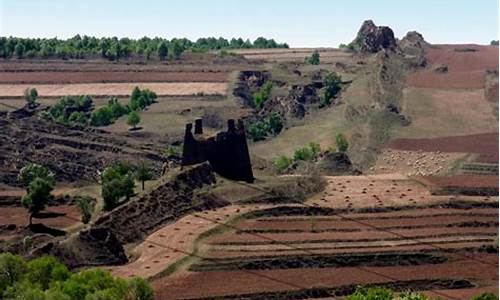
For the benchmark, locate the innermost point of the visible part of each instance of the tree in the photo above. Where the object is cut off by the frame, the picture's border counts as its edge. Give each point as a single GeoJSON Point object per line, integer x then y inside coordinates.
{"type": "Point", "coordinates": [32, 171]}
{"type": "Point", "coordinates": [162, 50]}
{"type": "Point", "coordinates": [133, 119]}
{"type": "Point", "coordinates": [313, 59]}
{"type": "Point", "coordinates": [177, 48]}
{"type": "Point", "coordinates": [341, 141]}
{"type": "Point", "coordinates": [143, 173]}
{"type": "Point", "coordinates": [38, 194]}
{"type": "Point", "coordinates": [30, 95]}
{"type": "Point", "coordinates": [116, 184]}
{"type": "Point", "coordinates": [12, 268]}
{"type": "Point", "coordinates": [261, 96]}
{"type": "Point", "coordinates": [141, 289]}
{"type": "Point", "coordinates": [494, 43]}
{"type": "Point", "coordinates": [86, 206]}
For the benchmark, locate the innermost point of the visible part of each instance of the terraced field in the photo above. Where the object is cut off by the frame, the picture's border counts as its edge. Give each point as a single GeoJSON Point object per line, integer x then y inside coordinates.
{"type": "Point", "coordinates": [372, 230]}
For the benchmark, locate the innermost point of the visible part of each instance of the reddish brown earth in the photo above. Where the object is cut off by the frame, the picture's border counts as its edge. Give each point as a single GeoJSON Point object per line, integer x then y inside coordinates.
{"type": "Point", "coordinates": [106, 77]}
{"type": "Point", "coordinates": [19, 216]}
{"type": "Point", "coordinates": [491, 93]}
{"type": "Point", "coordinates": [485, 144]}
{"type": "Point", "coordinates": [220, 283]}
{"type": "Point", "coordinates": [467, 181]}
{"type": "Point", "coordinates": [467, 66]}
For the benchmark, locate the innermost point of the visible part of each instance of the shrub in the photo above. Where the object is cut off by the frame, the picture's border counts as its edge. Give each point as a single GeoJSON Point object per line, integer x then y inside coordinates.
{"type": "Point", "coordinates": [341, 142]}
{"type": "Point", "coordinates": [371, 294]}
{"type": "Point", "coordinates": [486, 296]}
{"type": "Point", "coordinates": [261, 96]}
{"type": "Point", "coordinates": [313, 59]}
{"type": "Point", "coordinates": [12, 268]}
{"type": "Point", "coordinates": [283, 163]}
{"type": "Point", "coordinates": [260, 130]}
{"type": "Point", "coordinates": [304, 154]}
{"type": "Point", "coordinates": [333, 85]}
{"type": "Point", "coordinates": [32, 171]}
{"type": "Point", "coordinates": [30, 95]}
{"type": "Point", "coordinates": [71, 109]}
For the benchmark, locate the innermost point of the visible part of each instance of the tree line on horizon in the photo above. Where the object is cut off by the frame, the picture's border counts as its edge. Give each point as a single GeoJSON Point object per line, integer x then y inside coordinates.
{"type": "Point", "coordinates": [114, 48]}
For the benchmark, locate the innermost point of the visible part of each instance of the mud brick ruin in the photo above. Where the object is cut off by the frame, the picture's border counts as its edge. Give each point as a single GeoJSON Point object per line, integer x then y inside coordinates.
{"type": "Point", "coordinates": [227, 152]}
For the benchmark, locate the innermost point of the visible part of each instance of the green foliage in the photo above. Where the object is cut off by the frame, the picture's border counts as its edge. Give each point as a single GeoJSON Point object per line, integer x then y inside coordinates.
{"type": "Point", "coordinates": [38, 194]}
{"type": "Point", "coordinates": [304, 154]}
{"type": "Point", "coordinates": [12, 268]}
{"type": "Point", "coordinates": [45, 278]}
{"type": "Point", "coordinates": [30, 95]}
{"type": "Point", "coordinates": [143, 173]}
{"type": "Point", "coordinates": [71, 109]}
{"type": "Point", "coordinates": [174, 150]}
{"type": "Point", "coordinates": [494, 43]}
{"type": "Point", "coordinates": [117, 183]}
{"type": "Point", "coordinates": [341, 142]}
{"type": "Point", "coordinates": [283, 163]}
{"type": "Point", "coordinates": [314, 59]}
{"type": "Point", "coordinates": [85, 205]}
{"type": "Point", "coordinates": [260, 130]}
{"type": "Point", "coordinates": [140, 99]}
{"type": "Point", "coordinates": [162, 50]}
{"type": "Point", "coordinates": [261, 96]}
{"type": "Point", "coordinates": [133, 119]}
{"type": "Point", "coordinates": [333, 85]}
{"type": "Point", "coordinates": [176, 48]}
{"type": "Point", "coordinates": [371, 294]}
{"type": "Point", "coordinates": [315, 149]}
{"type": "Point", "coordinates": [486, 296]}
{"type": "Point", "coordinates": [103, 116]}
{"type": "Point", "coordinates": [32, 171]}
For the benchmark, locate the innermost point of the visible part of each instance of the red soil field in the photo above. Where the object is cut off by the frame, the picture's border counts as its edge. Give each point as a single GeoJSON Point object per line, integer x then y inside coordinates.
{"type": "Point", "coordinates": [457, 58]}
{"type": "Point", "coordinates": [220, 283]}
{"type": "Point", "coordinates": [349, 236]}
{"type": "Point", "coordinates": [452, 80]}
{"type": "Point", "coordinates": [106, 77]}
{"type": "Point", "coordinates": [467, 181]}
{"type": "Point", "coordinates": [467, 66]}
{"type": "Point", "coordinates": [305, 225]}
{"type": "Point", "coordinates": [19, 216]}
{"type": "Point", "coordinates": [485, 144]}
{"type": "Point", "coordinates": [220, 253]}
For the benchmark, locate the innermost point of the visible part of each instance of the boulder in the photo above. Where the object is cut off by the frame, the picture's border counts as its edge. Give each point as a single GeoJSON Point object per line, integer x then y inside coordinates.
{"type": "Point", "coordinates": [372, 38]}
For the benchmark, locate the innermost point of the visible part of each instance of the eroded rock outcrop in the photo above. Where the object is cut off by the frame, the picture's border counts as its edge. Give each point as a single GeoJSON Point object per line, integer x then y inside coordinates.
{"type": "Point", "coordinates": [372, 38]}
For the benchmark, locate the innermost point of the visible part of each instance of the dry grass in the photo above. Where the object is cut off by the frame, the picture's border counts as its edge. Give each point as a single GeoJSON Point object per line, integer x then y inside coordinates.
{"type": "Point", "coordinates": [115, 89]}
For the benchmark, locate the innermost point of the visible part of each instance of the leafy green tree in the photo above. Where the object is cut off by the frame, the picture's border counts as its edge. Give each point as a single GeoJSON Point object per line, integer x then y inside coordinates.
{"type": "Point", "coordinates": [162, 50]}
{"type": "Point", "coordinates": [117, 183]}
{"type": "Point", "coordinates": [78, 117]}
{"type": "Point", "coordinates": [46, 269]}
{"type": "Point", "coordinates": [102, 116]}
{"type": "Point", "coordinates": [143, 173]}
{"type": "Point", "coordinates": [141, 289]}
{"type": "Point", "coordinates": [38, 195]}
{"type": "Point", "coordinates": [32, 171]}
{"type": "Point", "coordinates": [86, 206]}
{"type": "Point", "coordinates": [341, 142]}
{"type": "Point", "coordinates": [283, 163]}
{"type": "Point", "coordinates": [494, 43]}
{"type": "Point", "coordinates": [19, 50]}
{"type": "Point", "coordinates": [30, 95]}
{"type": "Point", "coordinates": [12, 268]}
{"type": "Point", "coordinates": [133, 119]}
{"type": "Point", "coordinates": [313, 59]}
{"type": "Point", "coordinates": [176, 48]}
{"type": "Point", "coordinates": [333, 85]}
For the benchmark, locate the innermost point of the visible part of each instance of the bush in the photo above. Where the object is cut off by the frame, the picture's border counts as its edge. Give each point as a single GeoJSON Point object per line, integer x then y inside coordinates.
{"type": "Point", "coordinates": [486, 296]}
{"type": "Point", "coordinates": [260, 130]}
{"type": "Point", "coordinates": [313, 59]}
{"type": "Point", "coordinates": [260, 97]}
{"type": "Point", "coordinates": [283, 163]}
{"type": "Point", "coordinates": [333, 85]}
{"type": "Point", "coordinates": [304, 154]}
{"type": "Point", "coordinates": [371, 294]}
{"type": "Point", "coordinates": [30, 95]}
{"type": "Point", "coordinates": [133, 119]}
{"type": "Point", "coordinates": [341, 142]}
{"type": "Point", "coordinates": [12, 268]}
{"type": "Point", "coordinates": [71, 109]}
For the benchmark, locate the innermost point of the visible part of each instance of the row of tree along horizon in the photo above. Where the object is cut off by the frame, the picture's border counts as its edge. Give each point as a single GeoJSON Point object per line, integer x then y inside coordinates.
{"type": "Point", "coordinates": [115, 48]}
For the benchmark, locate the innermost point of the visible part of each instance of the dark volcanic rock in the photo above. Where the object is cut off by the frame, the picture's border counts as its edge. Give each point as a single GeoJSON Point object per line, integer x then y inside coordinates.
{"type": "Point", "coordinates": [336, 163]}
{"type": "Point", "coordinates": [372, 38]}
